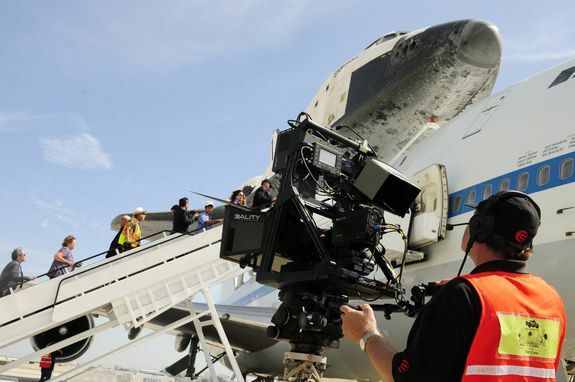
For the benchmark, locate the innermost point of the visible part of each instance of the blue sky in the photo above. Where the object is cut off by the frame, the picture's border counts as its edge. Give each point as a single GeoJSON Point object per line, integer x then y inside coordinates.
{"type": "Point", "coordinates": [107, 105]}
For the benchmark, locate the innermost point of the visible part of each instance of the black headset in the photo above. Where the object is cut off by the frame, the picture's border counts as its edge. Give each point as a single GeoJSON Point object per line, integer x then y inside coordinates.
{"type": "Point", "coordinates": [482, 224]}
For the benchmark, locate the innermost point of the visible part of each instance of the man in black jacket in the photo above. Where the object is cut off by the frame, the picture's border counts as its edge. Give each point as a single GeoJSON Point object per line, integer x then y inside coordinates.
{"type": "Point", "coordinates": [12, 274]}
{"type": "Point", "coordinates": [262, 197]}
{"type": "Point", "coordinates": [182, 218]}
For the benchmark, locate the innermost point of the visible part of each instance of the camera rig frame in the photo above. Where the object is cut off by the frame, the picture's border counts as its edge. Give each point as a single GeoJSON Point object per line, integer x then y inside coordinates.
{"type": "Point", "coordinates": [316, 268]}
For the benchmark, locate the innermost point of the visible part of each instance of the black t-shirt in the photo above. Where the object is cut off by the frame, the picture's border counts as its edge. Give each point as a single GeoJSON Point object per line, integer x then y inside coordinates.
{"type": "Point", "coordinates": [442, 334]}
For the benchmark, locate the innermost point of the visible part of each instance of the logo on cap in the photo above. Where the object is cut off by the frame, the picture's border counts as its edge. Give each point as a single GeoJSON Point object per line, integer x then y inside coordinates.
{"type": "Point", "coordinates": [403, 367]}
{"type": "Point", "coordinates": [521, 236]}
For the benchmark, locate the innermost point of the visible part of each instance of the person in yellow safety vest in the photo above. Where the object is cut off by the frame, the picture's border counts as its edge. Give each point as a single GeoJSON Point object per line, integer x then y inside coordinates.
{"type": "Point", "coordinates": [132, 232]}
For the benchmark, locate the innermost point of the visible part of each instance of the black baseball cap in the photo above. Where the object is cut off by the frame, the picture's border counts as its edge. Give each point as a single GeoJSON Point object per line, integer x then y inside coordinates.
{"type": "Point", "coordinates": [182, 202]}
{"type": "Point", "coordinates": [517, 218]}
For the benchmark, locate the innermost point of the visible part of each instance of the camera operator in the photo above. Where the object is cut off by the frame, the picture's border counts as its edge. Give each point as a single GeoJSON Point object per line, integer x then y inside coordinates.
{"type": "Point", "coordinates": [497, 323]}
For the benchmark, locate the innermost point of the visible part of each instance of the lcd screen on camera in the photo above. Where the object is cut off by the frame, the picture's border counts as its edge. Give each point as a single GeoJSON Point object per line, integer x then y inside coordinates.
{"type": "Point", "coordinates": [327, 158]}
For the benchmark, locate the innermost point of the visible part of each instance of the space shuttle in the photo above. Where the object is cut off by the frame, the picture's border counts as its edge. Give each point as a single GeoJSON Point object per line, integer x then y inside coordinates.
{"type": "Point", "coordinates": [390, 91]}
{"type": "Point", "coordinates": [422, 102]}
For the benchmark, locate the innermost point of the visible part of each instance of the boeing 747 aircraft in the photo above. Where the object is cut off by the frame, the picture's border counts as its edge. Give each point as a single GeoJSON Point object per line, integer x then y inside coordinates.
{"type": "Point", "coordinates": [517, 139]}
{"type": "Point", "coordinates": [419, 99]}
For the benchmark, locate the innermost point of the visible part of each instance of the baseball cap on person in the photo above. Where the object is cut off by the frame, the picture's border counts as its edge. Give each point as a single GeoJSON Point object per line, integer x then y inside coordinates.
{"type": "Point", "coordinates": [516, 219]}
{"type": "Point", "coordinates": [182, 202]}
{"type": "Point", "coordinates": [209, 203]}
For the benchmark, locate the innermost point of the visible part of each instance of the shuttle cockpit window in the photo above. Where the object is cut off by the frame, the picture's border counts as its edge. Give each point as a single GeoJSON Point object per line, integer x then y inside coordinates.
{"type": "Point", "coordinates": [386, 37]}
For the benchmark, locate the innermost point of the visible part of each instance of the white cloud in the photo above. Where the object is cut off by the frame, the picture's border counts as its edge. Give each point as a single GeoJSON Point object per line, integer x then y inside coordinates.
{"type": "Point", "coordinates": [81, 151]}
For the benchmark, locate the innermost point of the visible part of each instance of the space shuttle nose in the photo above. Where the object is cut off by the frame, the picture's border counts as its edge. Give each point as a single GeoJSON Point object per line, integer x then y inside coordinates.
{"type": "Point", "coordinates": [480, 44]}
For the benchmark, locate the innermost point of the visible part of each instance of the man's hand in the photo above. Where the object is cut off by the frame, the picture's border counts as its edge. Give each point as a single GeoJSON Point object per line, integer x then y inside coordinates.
{"type": "Point", "coordinates": [356, 323]}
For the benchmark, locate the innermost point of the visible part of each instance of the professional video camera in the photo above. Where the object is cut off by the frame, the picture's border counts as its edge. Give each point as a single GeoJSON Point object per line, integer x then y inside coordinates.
{"type": "Point", "coordinates": [321, 239]}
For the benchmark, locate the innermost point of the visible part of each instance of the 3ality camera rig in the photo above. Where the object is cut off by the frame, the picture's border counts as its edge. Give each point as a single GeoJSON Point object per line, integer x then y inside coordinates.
{"type": "Point", "coordinates": [321, 239]}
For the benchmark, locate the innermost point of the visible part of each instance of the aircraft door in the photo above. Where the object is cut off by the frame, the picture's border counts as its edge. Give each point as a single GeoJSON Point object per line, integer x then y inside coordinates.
{"type": "Point", "coordinates": [429, 220]}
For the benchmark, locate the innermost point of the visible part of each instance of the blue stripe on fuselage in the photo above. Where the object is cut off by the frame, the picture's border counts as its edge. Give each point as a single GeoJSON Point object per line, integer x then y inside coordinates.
{"type": "Point", "coordinates": [554, 181]}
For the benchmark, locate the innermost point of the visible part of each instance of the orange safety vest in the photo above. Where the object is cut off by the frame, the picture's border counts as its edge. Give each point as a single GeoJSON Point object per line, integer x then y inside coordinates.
{"type": "Point", "coordinates": [521, 330]}
{"type": "Point", "coordinates": [46, 362]}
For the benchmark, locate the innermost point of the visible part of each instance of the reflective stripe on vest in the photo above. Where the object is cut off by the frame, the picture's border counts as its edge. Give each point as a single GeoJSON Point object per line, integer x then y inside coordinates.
{"type": "Point", "coordinates": [523, 371]}
{"type": "Point", "coordinates": [46, 362]}
{"type": "Point", "coordinates": [521, 329]}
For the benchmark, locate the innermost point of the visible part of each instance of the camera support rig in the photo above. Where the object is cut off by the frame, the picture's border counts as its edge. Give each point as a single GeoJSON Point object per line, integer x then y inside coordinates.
{"type": "Point", "coordinates": [316, 268]}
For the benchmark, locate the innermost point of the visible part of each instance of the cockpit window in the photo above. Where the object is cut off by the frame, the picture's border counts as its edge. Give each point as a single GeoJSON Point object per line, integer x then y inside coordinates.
{"type": "Point", "coordinates": [386, 37]}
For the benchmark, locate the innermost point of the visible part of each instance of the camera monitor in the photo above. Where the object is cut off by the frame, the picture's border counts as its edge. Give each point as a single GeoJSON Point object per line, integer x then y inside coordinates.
{"type": "Point", "coordinates": [327, 158]}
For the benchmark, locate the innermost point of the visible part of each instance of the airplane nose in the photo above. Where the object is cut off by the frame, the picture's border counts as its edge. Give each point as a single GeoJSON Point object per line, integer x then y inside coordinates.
{"type": "Point", "coordinates": [480, 44]}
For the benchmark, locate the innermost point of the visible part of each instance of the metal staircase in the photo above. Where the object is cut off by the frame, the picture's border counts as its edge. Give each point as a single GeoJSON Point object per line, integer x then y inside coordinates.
{"type": "Point", "coordinates": [130, 289]}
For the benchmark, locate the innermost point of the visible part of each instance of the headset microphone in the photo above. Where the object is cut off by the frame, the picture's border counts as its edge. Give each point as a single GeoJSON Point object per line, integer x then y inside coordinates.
{"type": "Point", "coordinates": [450, 227]}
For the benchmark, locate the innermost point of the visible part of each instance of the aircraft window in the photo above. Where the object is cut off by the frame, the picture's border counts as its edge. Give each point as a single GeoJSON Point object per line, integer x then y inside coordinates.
{"type": "Point", "coordinates": [471, 197]}
{"type": "Point", "coordinates": [504, 185]}
{"type": "Point", "coordinates": [456, 203]}
{"type": "Point", "coordinates": [523, 181]}
{"type": "Point", "coordinates": [487, 191]}
{"type": "Point", "coordinates": [543, 175]}
{"type": "Point", "coordinates": [566, 168]}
